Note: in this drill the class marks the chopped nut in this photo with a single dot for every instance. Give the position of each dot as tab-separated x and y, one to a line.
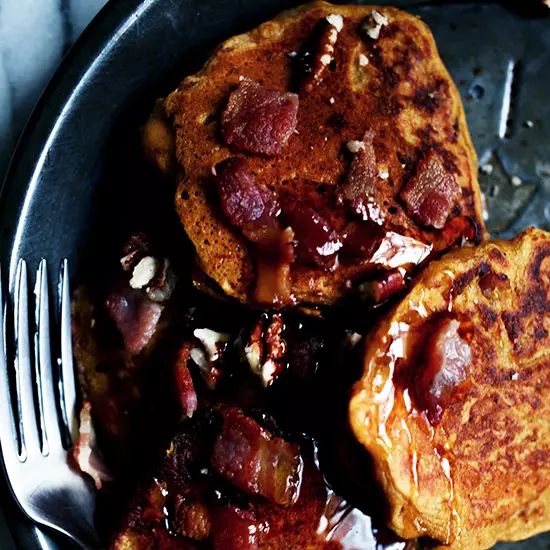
363	60
134	250
323	56
211	340
383	173
373	24
192	519
355	146
144	272
266	348
162	286
336	20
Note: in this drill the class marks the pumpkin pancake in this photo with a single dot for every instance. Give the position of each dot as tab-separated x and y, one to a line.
453	404
343	127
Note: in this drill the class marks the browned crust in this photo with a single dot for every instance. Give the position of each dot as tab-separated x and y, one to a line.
497	440
405	94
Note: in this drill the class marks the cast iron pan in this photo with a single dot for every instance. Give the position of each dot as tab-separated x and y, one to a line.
69	192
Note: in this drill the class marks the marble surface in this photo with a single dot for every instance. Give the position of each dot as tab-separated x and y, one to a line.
34	36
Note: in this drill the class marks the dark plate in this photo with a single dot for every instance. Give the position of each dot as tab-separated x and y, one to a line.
71	185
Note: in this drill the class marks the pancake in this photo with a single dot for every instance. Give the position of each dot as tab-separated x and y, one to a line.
475	469
388	98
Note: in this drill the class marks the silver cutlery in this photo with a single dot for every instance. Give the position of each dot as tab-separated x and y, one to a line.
38	422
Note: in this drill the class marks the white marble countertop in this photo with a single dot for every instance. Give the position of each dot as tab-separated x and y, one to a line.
34	36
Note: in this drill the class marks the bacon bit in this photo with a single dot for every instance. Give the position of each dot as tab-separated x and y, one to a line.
245	203
397	251
385	286
267	367
259	120
457	231
492	282
184	382
362	189
253	460
274	258
446	375
85	453
373	24
192	519
234	529
361	239
324	53
317	242
430	194
136	317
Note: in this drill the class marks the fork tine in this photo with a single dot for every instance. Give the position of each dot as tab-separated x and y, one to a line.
52	437
67	369
8	434
30	443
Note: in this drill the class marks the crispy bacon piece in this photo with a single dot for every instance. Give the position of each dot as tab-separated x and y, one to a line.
317	242
252	459
431	193
385	286
234	529
245	203
184	383
136	317
446	375
316	64
363	188
259	120
360	240
85	453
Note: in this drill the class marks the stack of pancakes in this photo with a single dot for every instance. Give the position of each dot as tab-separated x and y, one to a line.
482	473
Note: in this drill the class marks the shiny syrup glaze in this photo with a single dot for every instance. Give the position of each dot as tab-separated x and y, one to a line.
396	410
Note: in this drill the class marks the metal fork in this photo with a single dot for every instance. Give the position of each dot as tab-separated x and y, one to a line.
37	427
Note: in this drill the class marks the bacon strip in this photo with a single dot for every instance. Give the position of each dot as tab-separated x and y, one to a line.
252	459
363	188
259	120
234	529
431	193
184	383
136	317
446	375
85	452
317	242
245	203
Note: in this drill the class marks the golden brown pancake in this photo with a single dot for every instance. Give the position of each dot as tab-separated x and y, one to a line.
482	473
394	88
